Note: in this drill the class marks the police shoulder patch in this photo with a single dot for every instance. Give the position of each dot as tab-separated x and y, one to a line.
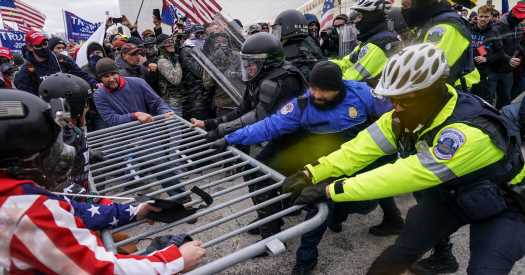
448	143
435	34
352	112
363	52
286	109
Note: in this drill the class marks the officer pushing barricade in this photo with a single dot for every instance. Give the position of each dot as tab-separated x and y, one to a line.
459	154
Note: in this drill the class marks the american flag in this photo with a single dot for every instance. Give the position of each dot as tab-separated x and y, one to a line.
25	16
54	235
198	11
327	15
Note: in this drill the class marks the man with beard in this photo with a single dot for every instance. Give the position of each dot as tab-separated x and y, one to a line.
300	49
41	62
46	233
458	153
378	43
315	124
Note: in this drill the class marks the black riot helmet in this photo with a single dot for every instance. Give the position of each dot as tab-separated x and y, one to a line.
31	145
73	89
420	11
290	24
260	52
26	125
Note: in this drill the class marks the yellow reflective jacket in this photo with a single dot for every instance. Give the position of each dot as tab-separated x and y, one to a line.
425	169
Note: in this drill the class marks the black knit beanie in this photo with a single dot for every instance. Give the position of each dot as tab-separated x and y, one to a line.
326	75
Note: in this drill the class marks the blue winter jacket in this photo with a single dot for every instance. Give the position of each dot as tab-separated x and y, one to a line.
358	106
33	72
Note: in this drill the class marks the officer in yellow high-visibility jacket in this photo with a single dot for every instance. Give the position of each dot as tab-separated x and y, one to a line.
377	42
457	152
437	22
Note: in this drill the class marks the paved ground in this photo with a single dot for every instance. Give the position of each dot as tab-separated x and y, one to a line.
352	251
349	252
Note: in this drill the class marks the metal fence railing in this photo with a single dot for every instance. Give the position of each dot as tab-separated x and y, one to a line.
164	159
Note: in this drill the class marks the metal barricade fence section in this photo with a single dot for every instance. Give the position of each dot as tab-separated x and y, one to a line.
165	159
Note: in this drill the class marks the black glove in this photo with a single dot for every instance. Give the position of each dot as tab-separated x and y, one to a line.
219	144
313	194
211	124
213	135
296	183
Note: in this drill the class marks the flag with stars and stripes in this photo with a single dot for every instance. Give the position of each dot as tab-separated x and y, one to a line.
48	234
24	15
327	15
198	11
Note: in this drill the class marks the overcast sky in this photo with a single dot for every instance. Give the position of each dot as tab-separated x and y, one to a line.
249	11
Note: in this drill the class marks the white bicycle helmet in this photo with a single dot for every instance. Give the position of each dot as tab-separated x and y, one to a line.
372	5
412	69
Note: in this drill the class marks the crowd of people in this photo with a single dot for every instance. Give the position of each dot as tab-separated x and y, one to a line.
387	101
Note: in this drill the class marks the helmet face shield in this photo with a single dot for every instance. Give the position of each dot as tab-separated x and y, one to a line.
251	65
277	31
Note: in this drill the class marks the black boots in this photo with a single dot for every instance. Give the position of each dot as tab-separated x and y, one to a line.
442	260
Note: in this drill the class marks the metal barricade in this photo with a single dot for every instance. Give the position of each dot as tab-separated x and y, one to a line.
168	154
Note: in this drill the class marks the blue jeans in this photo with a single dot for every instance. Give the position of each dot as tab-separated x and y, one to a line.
499	86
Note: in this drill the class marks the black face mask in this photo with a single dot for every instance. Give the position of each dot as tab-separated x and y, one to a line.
370	21
42	53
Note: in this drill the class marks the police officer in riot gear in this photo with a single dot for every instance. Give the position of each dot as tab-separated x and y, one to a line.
271	82
291	27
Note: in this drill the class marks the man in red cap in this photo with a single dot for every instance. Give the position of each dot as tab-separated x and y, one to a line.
7	68
42	62
130	63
